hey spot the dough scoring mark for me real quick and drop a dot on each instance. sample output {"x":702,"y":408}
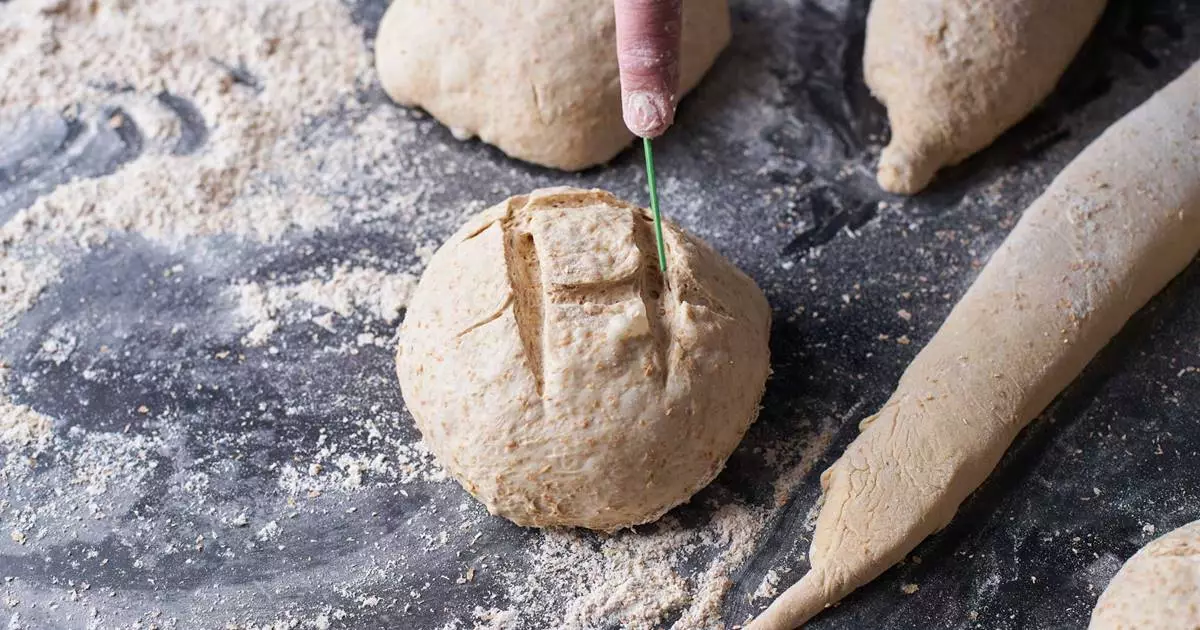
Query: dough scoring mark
{"x":525,"y":278}
{"x":539,"y":105}
{"x":652,"y":289}
{"x":489,"y":319}
{"x":476,"y":232}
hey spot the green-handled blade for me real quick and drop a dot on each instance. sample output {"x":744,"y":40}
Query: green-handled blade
{"x":658,"y":230}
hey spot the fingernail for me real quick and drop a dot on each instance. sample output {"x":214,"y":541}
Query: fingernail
{"x":646,"y":113}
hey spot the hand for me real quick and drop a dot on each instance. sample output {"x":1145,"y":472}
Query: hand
{"x":648,"y":35}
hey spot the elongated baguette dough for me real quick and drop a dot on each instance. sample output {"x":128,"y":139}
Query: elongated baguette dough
{"x":1157,"y":589}
{"x":1114,"y":227}
{"x":955,"y":74}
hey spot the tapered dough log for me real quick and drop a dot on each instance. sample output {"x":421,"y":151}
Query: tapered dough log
{"x":1157,"y":589}
{"x":955,"y":74}
{"x":1114,"y":227}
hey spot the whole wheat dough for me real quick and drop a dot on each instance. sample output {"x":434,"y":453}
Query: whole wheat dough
{"x":536,"y":79}
{"x":561,"y":379}
{"x":1114,"y":227}
{"x":955,"y":74}
{"x":1157,"y":589}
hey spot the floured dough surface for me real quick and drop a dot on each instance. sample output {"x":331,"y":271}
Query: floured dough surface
{"x":1157,"y":589}
{"x":562,"y":379}
{"x":538,"y":80}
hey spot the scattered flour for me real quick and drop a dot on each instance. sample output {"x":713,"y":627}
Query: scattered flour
{"x":23,"y":427}
{"x":100,"y":459}
{"x":354,"y":465}
{"x":21,"y":281}
{"x":806,"y":455}
{"x":254,"y":72}
{"x":496,"y":619}
{"x":22,"y":430}
{"x":269,"y":532}
{"x":769,"y":587}
{"x":631,"y":580}
{"x":372,"y":293}
{"x":638,"y":579}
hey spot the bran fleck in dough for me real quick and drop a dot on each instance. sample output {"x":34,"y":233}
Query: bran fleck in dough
{"x":562,"y":380}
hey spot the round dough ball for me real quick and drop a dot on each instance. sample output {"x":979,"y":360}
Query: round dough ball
{"x":561,"y":380}
{"x":1157,"y":589}
{"x":537,"y":79}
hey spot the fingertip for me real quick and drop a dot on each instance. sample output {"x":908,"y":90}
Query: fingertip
{"x":648,"y":114}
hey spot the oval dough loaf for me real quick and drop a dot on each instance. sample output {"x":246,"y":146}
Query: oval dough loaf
{"x":1157,"y":589}
{"x":537,"y":79}
{"x":557,"y":376}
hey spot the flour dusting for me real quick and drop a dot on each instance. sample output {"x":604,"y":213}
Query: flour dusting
{"x":370,"y":293}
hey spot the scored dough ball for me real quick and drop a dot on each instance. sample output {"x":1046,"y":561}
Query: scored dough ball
{"x":537,"y":79}
{"x":561,"y":380}
{"x":1157,"y":589}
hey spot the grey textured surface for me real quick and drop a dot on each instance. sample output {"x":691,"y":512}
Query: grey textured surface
{"x":793,"y":203}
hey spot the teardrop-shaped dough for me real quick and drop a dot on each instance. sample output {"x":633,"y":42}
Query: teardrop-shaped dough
{"x":955,"y":74}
